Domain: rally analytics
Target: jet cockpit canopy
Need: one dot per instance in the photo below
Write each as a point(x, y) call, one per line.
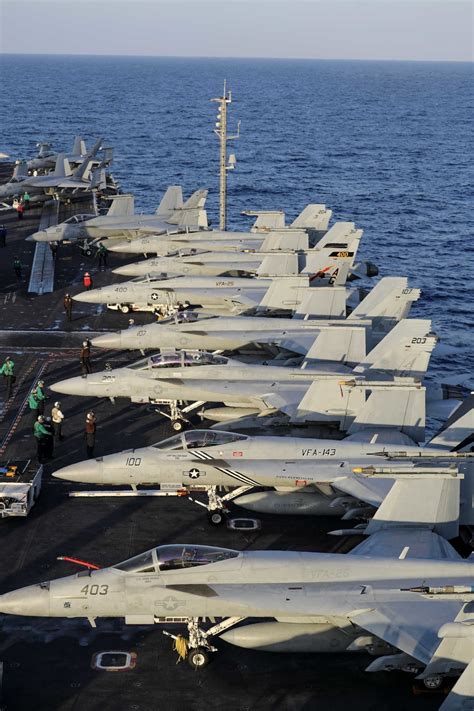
point(179, 359)
point(77, 219)
point(199, 438)
point(175, 557)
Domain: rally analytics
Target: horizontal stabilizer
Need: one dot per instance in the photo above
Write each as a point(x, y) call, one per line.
point(341, 345)
point(458, 430)
point(285, 239)
point(278, 264)
point(324, 302)
point(422, 502)
point(392, 407)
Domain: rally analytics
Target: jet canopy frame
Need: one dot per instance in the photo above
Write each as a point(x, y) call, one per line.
point(193, 439)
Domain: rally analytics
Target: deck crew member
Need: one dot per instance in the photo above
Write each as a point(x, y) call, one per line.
point(41, 434)
point(9, 378)
point(68, 306)
point(85, 358)
point(40, 396)
point(90, 433)
point(57, 418)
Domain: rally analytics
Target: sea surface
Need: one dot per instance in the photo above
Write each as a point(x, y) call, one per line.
point(388, 145)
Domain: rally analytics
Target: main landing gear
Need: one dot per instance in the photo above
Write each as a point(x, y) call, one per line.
point(196, 648)
point(216, 507)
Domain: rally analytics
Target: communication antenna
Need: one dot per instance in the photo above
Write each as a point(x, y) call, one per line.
point(221, 133)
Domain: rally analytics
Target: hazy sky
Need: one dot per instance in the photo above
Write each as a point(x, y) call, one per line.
point(327, 29)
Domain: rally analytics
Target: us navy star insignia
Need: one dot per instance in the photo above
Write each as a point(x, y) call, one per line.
point(194, 473)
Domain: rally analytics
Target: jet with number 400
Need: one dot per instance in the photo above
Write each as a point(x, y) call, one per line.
point(278, 275)
point(404, 594)
point(323, 309)
point(252, 388)
point(302, 475)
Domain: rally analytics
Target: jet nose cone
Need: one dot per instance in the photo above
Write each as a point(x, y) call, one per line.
point(89, 297)
point(71, 386)
point(127, 270)
point(32, 601)
point(41, 236)
point(88, 472)
point(108, 340)
point(120, 247)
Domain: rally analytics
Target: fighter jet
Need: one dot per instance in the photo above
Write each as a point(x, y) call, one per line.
point(307, 476)
point(251, 389)
point(330, 265)
point(388, 302)
point(312, 223)
point(121, 221)
point(46, 158)
point(205, 262)
point(391, 595)
point(62, 179)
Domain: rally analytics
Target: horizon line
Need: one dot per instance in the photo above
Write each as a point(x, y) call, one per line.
point(175, 56)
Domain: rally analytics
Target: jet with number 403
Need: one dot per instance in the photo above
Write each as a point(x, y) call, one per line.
point(301, 475)
point(322, 309)
point(256, 388)
point(404, 595)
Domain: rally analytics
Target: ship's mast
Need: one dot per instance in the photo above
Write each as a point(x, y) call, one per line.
point(221, 133)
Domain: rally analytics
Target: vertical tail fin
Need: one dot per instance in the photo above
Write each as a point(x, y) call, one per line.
point(83, 171)
point(121, 206)
point(458, 430)
point(340, 345)
point(387, 303)
point(62, 169)
point(79, 146)
point(315, 217)
point(340, 236)
point(405, 351)
point(21, 169)
point(172, 200)
point(197, 200)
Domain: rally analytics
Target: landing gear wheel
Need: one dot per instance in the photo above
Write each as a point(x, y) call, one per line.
point(177, 425)
point(198, 658)
point(216, 518)
point(433, 682)
point(124, 308)
point(87, 252)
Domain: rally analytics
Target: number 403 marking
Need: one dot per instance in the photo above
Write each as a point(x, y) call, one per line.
point(95, 589)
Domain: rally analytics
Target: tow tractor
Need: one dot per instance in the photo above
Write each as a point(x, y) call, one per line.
point(20, 485)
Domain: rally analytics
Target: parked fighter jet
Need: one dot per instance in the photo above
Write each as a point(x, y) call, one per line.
point(204, 262)
point(308, 476)
point(46, 158)
point(329, 265)
point(121, 221)
point(391, 595)
point(248, 389)
point(61, 179)
point(389, 301)
point(311, 223)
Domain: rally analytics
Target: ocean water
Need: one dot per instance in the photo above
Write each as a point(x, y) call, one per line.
point(386, 144)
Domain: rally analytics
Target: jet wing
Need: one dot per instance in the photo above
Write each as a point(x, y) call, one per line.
point(411, 626)
point(413, 542)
